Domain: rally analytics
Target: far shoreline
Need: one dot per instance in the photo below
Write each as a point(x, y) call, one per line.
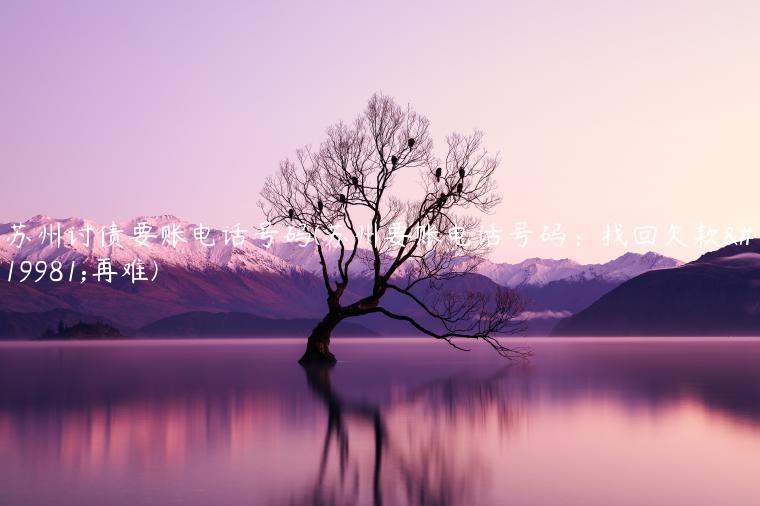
point(296, 340)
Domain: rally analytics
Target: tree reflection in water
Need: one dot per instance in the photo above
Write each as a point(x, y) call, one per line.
point(418, 463)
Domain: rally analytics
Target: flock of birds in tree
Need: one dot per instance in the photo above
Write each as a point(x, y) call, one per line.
point(394, 162)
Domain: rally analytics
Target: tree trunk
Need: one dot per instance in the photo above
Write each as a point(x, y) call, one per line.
point(318, 344)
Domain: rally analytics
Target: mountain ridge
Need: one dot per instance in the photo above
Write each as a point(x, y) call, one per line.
point(279, 282)
point(715, 295)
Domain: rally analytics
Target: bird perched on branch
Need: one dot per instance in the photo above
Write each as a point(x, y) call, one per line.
point(342, 198)
point(410, 143)
point(438, 174)
point(291, 213)
point(394, 160)
point(461, 172)
point(320, 205)
point(355, 181)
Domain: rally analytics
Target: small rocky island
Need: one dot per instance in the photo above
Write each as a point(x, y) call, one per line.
point(81, 330)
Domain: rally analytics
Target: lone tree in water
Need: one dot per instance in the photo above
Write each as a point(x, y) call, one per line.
point(417, 246)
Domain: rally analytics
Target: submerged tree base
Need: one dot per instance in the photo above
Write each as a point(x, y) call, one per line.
point(318, 349)
point(314, 355)
point(318, 344)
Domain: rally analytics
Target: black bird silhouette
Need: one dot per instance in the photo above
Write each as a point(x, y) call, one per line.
point(342, 198)
point(438, 174)
point(320, 205)
point(394, 160)
point(442, 198)
point(459, 188)
point(461, 172)
point(291, 212)
point(355, 181)
point(410, 143)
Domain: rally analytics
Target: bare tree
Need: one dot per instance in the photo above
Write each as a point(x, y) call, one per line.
point(349, 178)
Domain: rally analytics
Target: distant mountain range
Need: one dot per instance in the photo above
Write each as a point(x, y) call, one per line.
point(275, 283)
point(530, 272)
point(554, 289)
point(718, 294)
point(183, 251)
point(203, 324)
point(541, 272)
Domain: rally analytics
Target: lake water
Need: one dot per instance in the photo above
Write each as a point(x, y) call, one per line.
point(397, 421)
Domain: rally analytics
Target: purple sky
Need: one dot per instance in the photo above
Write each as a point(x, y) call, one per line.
point(641, 113)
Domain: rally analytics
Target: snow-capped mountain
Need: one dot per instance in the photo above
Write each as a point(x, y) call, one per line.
point(192, 277)
point(173, 242)
point(307, 257)
point(540, 271)
point(165, 239)
point(215, 272)
point(534, 272)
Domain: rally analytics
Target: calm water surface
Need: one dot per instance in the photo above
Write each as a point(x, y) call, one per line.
point(397, 421)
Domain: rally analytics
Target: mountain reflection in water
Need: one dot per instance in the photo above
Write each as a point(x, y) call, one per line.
point(398, 421)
